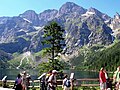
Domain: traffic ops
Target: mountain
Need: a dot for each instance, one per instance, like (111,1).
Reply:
(108,57)
(97,56)
(30,16)
(114,24)
(98,13)
(82,27)
(4,57)
(46,16)
(71,8)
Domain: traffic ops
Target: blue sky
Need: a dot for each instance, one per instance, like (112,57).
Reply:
(16,7)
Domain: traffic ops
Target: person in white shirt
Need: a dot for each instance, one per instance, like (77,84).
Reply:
(52,81)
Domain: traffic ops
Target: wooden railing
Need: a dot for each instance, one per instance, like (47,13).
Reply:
(77,83)
(87,82)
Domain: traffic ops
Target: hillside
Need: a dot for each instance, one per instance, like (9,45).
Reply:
(95,57)
(85,29)
(4,57)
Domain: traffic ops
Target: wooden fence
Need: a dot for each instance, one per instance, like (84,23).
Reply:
(77,83)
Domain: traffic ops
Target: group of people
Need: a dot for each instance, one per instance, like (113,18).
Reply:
(106,83)
(22,81)
(49,82)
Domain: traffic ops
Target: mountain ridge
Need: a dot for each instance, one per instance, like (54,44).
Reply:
(82,26)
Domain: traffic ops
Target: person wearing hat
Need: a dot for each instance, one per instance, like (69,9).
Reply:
(52,81)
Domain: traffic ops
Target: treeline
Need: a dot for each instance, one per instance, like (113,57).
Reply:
(97,56)
(4,57)
(109,57)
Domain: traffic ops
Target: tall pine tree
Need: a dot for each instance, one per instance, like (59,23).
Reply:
(53,37)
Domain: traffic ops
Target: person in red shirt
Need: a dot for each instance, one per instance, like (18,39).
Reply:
(102,78)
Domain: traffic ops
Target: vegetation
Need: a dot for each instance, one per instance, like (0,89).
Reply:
(42,53)
(53,37)
(27,62)
(93,58)
(109,57)
(4,57)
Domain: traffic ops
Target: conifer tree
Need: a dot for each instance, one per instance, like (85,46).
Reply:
(53,37)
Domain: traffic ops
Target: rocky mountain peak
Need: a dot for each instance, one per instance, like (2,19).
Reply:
(29,12)
(69,4)
(47,15)
(30,16)
(82,27)
(71,7)
(98,13)
(117,16)
(49,11)
(94,11)
(115,24)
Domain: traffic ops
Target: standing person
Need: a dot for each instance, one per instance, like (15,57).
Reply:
(116,78)
(46,79)
(24,80)
(42,83)
(66,83)
(18,83)
(52,81)
(102,78)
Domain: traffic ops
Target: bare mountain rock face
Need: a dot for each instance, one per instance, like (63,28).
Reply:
(82,27)
(47,15)
(114,24)
(31,17)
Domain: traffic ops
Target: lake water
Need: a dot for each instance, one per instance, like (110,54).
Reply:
(82,74)
(12,73)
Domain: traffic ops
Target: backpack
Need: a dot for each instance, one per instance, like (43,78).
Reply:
(67,83)
(18,81)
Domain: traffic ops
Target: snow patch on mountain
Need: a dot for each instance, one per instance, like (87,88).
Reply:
(37,27)
(87,14)
(27,20)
